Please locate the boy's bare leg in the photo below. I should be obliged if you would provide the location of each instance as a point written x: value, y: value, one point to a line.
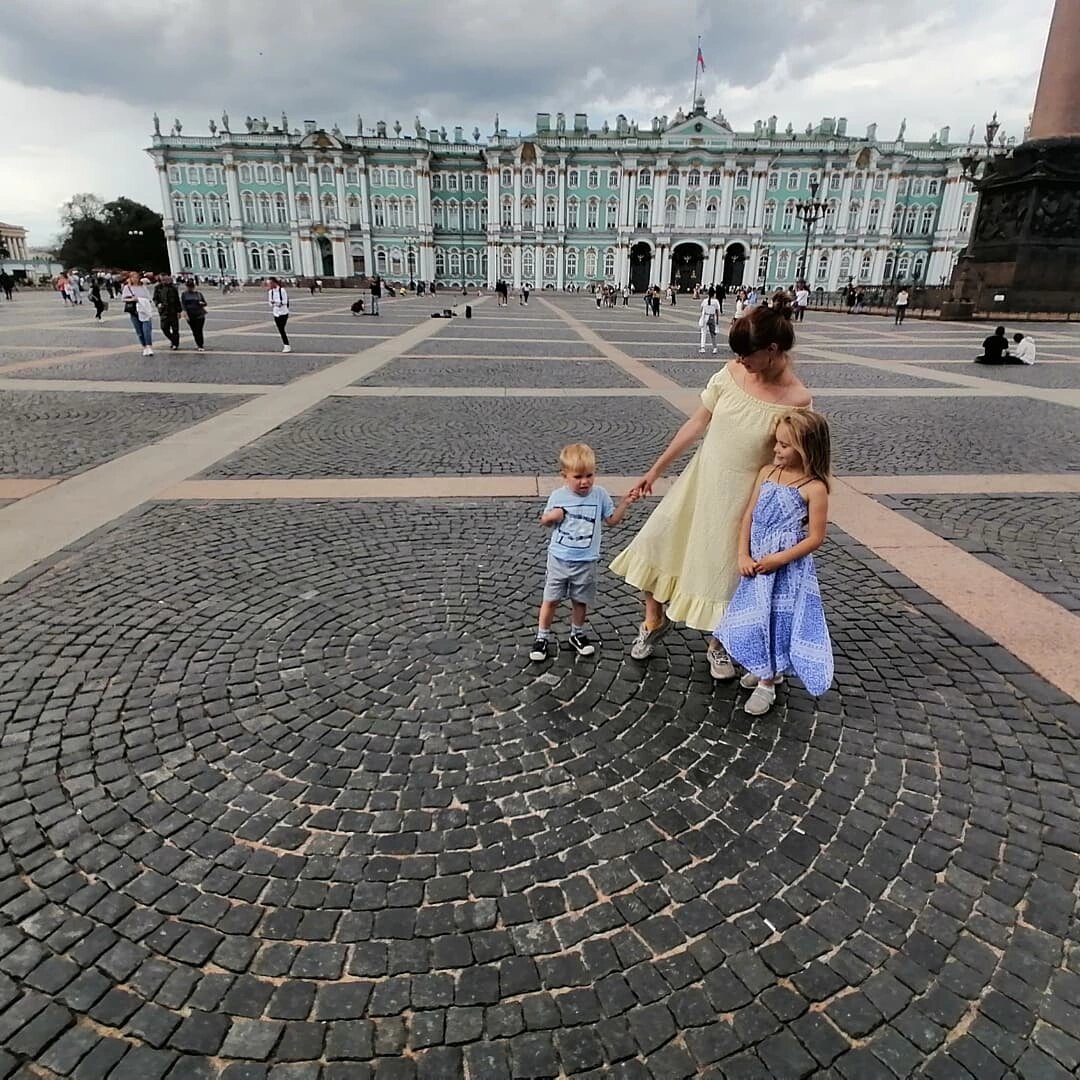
x: 579, y: 613
x: 547, y: 613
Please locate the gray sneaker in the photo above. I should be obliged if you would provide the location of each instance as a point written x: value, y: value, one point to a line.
x: 748, y: 681
x: 646, y: 640
x: 720, y: 666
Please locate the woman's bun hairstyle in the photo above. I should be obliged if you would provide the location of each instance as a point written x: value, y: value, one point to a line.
x: 761, y: 327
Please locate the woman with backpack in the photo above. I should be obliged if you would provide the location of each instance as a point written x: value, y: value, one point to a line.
x: 140, y: 309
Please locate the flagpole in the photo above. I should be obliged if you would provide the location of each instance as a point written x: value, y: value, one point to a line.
x: 696, y: 66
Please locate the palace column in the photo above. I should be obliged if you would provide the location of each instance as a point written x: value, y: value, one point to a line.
x: 365, y: 217
x: 166, y: 219
x: 294, y: 226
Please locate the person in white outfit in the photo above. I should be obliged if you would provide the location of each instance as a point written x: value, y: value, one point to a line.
x: 708, y: 320
x: 278, y: 299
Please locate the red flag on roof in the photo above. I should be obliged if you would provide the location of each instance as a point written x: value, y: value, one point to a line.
x: 700, y: 59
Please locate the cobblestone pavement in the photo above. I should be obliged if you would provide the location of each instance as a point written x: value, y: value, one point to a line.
x: 1052, y: 374
x: 1033, y: 538
x: 283, y: 798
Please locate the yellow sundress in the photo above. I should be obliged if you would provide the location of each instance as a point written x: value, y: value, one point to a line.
x: 687, y: 552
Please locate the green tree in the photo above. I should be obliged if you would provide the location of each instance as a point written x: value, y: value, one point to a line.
x: 122, y: 234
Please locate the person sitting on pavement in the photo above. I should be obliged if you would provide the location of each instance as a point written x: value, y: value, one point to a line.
x: 1023, y: 350
x: 995, y: 349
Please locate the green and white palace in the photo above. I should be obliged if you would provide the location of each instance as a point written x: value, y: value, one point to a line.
x: 683, y: 200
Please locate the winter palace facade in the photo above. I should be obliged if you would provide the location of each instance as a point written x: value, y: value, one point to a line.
x: 682, y: 201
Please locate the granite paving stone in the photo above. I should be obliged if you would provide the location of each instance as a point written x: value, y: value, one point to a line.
x: 450, y: 372
x: 698, y: 373
x: 1053, y: 376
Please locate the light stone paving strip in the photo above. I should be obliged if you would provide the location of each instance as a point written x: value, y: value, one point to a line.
x: 46, y: 522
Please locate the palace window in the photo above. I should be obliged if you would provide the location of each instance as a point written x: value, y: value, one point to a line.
x: 329, y: 206
x: 609, y: 264
x: 933, y: 187
x: 918, y: 268
x: 926, y: 225
x: 823, y: 266
x: 245, y: 174
x: 378, y: 213
x: 613, y: 178
x: 911, y: 220
x: 845, y: 266
x: 550, y: 263
x: 787, y: 222
x: 266, y: 213
x: 879, y: 181
x: 408, y: 206
x: 859, y: 182
x: 483, y: 214
x: 917, y: 186
x: 854, y: 209
x: 506, y: 262
x: 352, y: 175
x: 551, y: 213
x: 204, y: 257
x: 393, y: 207
x: 890, y: 266
x: 453, y: 215
x: 572, y: 178
x: 528, y: 265
x: 829, y: 224
x: 611, y: 220
x: 247, y: 204
x: 453, y: 262
x: 812, y: 178
x: 193, y: 174
x: 185, y: 256
x: 222, y: 257
x: 643, y: 213
x: 469, y: 214
x: 303, y: 207
x: 468, y: 182
x: 436, y: 182
x: 198, y: 211
x: 904, y: 186
x: 210, y: 174
x: 438, y: 214
x: 738, y: 214
x: 528, y: 213
x: 742, y: 179
x: 965, y: 217
x: 281, y: 211
x: 763, y: 266
x: 352, y: 210
x: 572, y: 207
x: 451, y: 181
x: 571, y: 263
x: 407, y: 179
x: 261, y: 174
x: 866, y: 266
x: 527, y: 178
x: 773, y: 183
x: 470, y: 263
x: 254, y: 258
x: 507, y: 178
x: 644, y: 178
x: 835, y: 181
x: 590, y: 262
x: 326, y: 174
x: 671, y: 211
x: 174, y: 174
x: 770, y: 216
x: 381, y: 261
x: 271, y: 258
x: 716, y: 178
x: 903, y: 267
x: 179, y: 209
x: 783, y: 265
x: 897, y: 218
x: 286, y: 258
x: 594, y: 178
x: 507, y: 216
x: 691, y: 212
x: 874, y: 221
x: 793, y: 181
x: 551, y: 178
x: 693, y: 178
x: 592, y: 214
x: 392, y: 178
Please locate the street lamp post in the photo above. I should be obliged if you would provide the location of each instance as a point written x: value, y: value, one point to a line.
x: 810, y: 212
x: 412, y: 267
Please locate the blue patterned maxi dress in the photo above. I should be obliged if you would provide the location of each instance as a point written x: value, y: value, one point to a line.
x: 775, y: 624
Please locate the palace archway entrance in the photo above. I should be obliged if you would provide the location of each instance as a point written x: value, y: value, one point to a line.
x: 326, y: 256
x: 687, y: 263
x: 734, y: 264
x: 640, y: 267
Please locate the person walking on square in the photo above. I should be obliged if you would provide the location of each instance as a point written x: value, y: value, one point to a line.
x: 708, y: 321
x: 278, y: 299
x: 376, y: 294
x: 167, y: 301
x: 656, y: 301
x: 901, y: 306
x: 525, y: 294
x: 194, y: 305
x: 802, y: 301
x: 775, y: 623
x: 140, y: 310
x: 685, y: 557
x: 576, y: 512
x: 95, y: 299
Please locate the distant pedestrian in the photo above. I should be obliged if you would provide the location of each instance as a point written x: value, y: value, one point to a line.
x: 901, y: 306
x: 194, y: 305
x: 278, y: 299
x: 708, y: 321
x: 95, y: 299
x: 167, y: 301
x: 74, y: 289
x: 860, y: 299
x: 376, y: 294
x: 7, y: 283
x: 626, y: 296
x: 525, y: 294
x: 656, y: 302
x: 802, y: 301
x: 140, y: 309
x: 849, y: 299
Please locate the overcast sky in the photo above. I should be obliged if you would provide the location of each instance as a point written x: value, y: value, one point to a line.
x: 79, y: 83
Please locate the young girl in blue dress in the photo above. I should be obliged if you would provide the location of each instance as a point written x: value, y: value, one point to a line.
x: 775, y: 625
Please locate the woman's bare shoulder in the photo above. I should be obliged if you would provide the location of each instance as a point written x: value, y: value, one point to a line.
x: 797, y: 395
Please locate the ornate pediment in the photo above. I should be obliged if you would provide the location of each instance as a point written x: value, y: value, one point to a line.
x: 321, y: 140
x: 698, y: 130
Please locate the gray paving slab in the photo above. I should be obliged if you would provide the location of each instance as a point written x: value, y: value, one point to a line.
x: 1033, y: 538
x: 448, y: 371
x: 814, y: 374
x: 1064, y: 376
x: 495, y: 346
x: 46, y: 434
x: 456, y: 436
x: 300, y: 337
x: 187, y: 365
x: 951, y: 435
x: 286, y: 809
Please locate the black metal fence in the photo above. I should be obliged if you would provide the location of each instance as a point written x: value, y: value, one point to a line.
x: 925, y: 303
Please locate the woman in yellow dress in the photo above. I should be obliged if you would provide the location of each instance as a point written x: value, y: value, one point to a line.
x: 685, y: 558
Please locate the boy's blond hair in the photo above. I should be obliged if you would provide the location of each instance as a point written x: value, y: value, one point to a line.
x: 577, y: 457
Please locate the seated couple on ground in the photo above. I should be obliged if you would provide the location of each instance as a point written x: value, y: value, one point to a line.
x: 996, y: 349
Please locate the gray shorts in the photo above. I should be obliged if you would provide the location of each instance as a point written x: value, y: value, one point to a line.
x: 574, y: 581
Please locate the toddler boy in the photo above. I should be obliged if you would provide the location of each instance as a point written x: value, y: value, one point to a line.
x: 577, y: 511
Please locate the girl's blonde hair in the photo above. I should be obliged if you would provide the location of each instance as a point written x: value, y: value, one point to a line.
x: 810, y: 436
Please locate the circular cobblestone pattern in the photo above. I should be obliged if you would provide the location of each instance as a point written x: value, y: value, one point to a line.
x: 282, y: 796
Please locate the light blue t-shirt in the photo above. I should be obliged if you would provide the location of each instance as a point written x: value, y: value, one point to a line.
x: 577, y: 537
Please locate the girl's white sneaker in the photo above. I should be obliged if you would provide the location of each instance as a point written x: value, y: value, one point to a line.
x: 286, y: 348
x: 760, y: 701
x: 749, y: 681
